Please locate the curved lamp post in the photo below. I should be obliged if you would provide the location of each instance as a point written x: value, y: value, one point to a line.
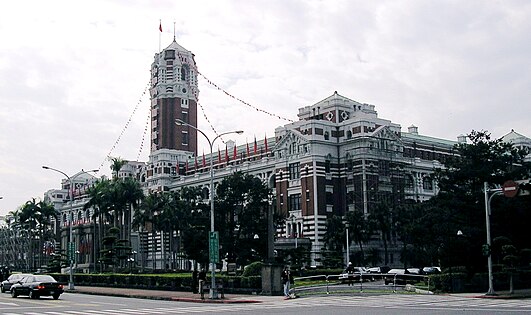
x: 180, y: 122
x: 71, y: 237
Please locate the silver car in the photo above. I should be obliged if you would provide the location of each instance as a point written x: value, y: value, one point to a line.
x: 5, y: 286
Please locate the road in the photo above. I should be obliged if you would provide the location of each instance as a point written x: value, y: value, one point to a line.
x: 77, y: 304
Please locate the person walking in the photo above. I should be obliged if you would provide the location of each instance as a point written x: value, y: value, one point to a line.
x: 287, y: 281
x: 350, y: 273
x: 202, y: 279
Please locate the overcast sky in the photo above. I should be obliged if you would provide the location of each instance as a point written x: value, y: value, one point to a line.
x: 73, y: 72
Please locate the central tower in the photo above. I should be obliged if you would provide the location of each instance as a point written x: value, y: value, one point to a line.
x: 174, y: 93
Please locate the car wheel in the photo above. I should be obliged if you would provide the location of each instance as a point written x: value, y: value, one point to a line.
x: 56, y: 296
x: 14, y: 293
x: 33, y: 295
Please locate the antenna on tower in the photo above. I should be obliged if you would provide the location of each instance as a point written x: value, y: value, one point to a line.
x: 173, y: 30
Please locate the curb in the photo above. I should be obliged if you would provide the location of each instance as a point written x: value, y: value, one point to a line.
x: 166, y: 298
x: 502, y: 297
x: 219, y: 301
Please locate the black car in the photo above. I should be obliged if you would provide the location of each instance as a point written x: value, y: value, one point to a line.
x: 36, y: 286
x: 5, y: 286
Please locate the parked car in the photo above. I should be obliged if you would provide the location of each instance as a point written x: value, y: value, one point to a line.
x: 36, y: 286
x: 5, y: 286
x: 403, y: 276
x: 415, y: 271
x: 377, y: 272
x: 353, y: 275
x: 431, y: 270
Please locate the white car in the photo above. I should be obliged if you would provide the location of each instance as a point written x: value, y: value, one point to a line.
x: 353, y: 276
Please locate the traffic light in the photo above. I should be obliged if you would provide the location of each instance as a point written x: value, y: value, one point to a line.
x: 485, y: 249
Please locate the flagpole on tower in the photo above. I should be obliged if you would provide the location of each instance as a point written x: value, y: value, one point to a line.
x: 173, y: 30
x: 160, y: 32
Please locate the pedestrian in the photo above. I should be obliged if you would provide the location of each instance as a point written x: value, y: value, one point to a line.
x: 350, y: 273
x: 194, y: 281
x: 287, y: 281
x: 202, y: 280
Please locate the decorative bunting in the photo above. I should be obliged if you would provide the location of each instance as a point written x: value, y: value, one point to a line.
x: 125, y: 127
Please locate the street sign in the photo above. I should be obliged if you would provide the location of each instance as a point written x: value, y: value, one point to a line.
x: 510, y: 188
x: 71, y: 250
x: 213, y: 247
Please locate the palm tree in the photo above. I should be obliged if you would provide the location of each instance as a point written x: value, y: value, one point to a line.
x: 144, y: 217
x: 101, y: 203
x: 128, y: 195
x: 116, y: 165
x: 381, y: 218
x: 34, y: 218
x: 360, y: 229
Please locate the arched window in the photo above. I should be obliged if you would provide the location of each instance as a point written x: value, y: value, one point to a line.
x: 327, y: 135
x: 349, y: 134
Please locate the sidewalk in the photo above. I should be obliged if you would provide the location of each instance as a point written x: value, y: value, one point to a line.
x: 172, y: 295
x: 518, y: 294
x: 242, y: 298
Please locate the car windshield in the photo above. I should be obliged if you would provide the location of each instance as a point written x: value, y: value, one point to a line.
x: 44, y: 278
x: 17, y: 276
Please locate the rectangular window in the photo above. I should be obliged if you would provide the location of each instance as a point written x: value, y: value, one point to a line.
x: 294, y: 202
x: 294, y: 171
x: 329, y: 198
x: 169, y: 54
x: 185, y: 138
x: 185, y: 117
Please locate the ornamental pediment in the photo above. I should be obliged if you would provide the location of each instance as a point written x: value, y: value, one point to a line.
x: 384, y: 132
x: 291, y: 138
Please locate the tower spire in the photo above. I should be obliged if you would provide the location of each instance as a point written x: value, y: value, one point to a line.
x: 174, y: 31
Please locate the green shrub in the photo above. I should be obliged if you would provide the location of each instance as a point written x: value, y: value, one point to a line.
x: 253, y: 269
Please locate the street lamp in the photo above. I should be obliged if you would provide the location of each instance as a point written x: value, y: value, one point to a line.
x: 71, y: 236
x: 211, y: 144
x: 495, y: 191
x: 346, y: 234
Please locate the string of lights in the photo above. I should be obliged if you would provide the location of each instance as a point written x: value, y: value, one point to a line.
x: 146, y: 128
x: 125, y: 127
x: 195, y: 92
x: 242, y: 101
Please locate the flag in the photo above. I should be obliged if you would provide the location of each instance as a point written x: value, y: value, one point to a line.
x: 265, y: 141
x: 226, y: 154
x: 248, y: 151
x: 219, y: 156
x: 160, y: 26
x: 255, y: 146
x: 196, y: 165
x: 204, y: 160
x: 235, y: 153
x: 186, y: 167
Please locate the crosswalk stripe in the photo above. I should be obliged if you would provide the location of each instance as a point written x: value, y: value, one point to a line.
x: 435, y: 302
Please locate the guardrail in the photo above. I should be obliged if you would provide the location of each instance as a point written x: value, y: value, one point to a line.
x: 397, y: 281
